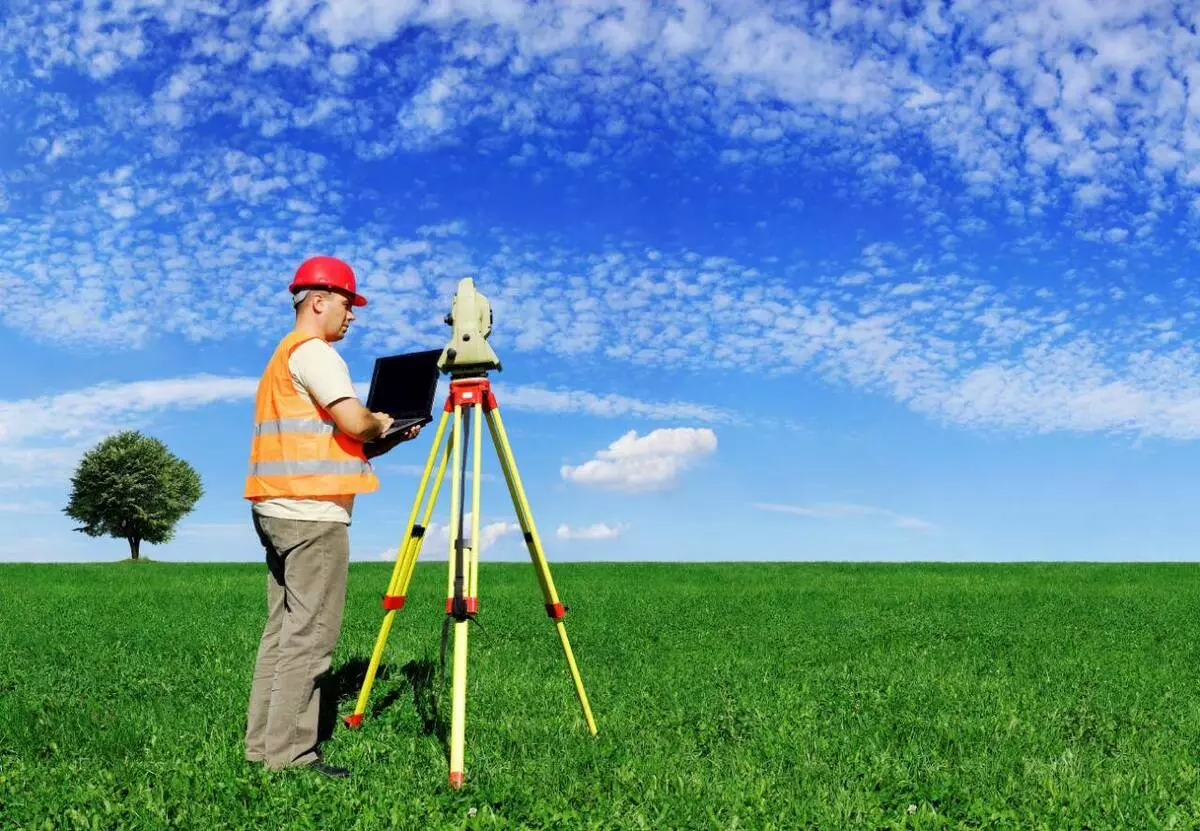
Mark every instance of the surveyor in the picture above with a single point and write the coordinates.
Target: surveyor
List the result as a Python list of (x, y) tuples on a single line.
[(307, 464)]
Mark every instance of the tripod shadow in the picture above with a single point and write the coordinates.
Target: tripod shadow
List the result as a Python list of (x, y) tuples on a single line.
[(422, 675), (342, 686), (337, 686)]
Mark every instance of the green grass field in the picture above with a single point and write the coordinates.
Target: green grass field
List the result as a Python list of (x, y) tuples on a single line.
[(727, 696)]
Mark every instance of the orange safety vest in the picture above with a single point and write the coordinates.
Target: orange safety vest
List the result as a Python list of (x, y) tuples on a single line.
[(297, 451)]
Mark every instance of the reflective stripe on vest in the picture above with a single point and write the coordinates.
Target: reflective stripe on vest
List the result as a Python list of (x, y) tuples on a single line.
[(309, 468), (278, 426)]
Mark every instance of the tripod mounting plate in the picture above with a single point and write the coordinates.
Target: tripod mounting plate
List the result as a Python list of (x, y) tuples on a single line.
[(466, 392)]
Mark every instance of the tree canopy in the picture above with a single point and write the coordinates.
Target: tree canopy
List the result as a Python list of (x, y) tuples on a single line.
[(130, 486)]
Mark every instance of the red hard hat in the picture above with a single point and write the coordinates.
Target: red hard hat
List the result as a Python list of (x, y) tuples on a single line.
[(326, 273)]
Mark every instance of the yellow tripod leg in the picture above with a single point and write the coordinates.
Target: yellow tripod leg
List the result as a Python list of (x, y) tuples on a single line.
[(476, 476), (406, 556), (463, 584), (406, 575), (458, 714), (455, 497), (455, 577), (404, 563), (554, 608)]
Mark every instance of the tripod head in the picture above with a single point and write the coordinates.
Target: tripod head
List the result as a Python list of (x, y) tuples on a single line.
[(468, 353)]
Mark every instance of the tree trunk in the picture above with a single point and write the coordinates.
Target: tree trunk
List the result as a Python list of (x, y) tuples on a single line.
[(134, 545)]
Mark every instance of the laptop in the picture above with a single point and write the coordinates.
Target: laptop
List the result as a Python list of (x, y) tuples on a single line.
[(404, 386)]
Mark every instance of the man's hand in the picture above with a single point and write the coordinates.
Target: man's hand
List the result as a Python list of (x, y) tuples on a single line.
[(385, 421), (381, 446), (356, 421)]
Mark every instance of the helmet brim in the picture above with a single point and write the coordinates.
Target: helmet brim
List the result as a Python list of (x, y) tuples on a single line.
[(356, 299)]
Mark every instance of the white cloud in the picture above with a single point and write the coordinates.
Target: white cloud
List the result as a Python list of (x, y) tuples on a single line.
[(45, 437), (104, 407), (40, 465), (639, 463), (596, 531), (343, 63), (437, 538), (1094, 95), (535, 398), (444, 229), (30, 507), (841, 510), (943, 355), (491, 532), (1021, 102), (384, 466), (48, 434)]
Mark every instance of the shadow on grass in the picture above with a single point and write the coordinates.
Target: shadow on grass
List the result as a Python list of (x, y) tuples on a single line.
[(342, 685), (422, 676)]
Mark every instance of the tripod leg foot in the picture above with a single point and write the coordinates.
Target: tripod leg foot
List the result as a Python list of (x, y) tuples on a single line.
[(364, 693)]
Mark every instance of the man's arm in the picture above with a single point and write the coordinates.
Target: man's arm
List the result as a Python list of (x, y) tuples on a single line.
[(324, 375), (356, 421)]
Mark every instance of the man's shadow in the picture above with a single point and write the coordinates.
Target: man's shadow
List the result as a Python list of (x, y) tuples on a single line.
[(341, 686)]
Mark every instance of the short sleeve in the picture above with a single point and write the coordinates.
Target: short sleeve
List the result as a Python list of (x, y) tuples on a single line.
[(321, 371)]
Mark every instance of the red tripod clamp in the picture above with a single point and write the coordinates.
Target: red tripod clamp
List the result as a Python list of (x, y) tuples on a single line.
[(468, 392), (471, 603)]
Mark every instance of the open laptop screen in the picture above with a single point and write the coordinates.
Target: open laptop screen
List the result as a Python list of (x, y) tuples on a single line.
[(403, 386)]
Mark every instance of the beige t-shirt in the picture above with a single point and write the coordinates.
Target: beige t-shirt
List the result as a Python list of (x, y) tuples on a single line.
[(321, 375)]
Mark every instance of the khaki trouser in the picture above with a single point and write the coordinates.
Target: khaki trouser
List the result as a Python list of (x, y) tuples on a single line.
[(307, 564)]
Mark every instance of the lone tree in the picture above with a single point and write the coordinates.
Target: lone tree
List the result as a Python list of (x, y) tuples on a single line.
[(130, 486)]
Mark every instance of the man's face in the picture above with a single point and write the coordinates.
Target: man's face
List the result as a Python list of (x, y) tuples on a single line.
[(335, 313)]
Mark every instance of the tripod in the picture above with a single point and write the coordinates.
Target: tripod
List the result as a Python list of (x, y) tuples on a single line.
[(468, 400)]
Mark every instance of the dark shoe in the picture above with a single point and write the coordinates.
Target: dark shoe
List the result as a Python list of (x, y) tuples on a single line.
[(330, 770)]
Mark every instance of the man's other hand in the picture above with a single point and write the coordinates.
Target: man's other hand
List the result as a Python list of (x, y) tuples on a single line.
[(377, 447)]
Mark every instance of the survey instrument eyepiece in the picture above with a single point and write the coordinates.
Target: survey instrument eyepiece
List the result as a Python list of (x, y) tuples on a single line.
[(470, 318)]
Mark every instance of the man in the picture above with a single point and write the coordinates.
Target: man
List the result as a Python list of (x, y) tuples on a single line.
[(307, 463)]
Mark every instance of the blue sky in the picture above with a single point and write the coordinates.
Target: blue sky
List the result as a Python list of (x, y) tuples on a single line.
[(853, 282)]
